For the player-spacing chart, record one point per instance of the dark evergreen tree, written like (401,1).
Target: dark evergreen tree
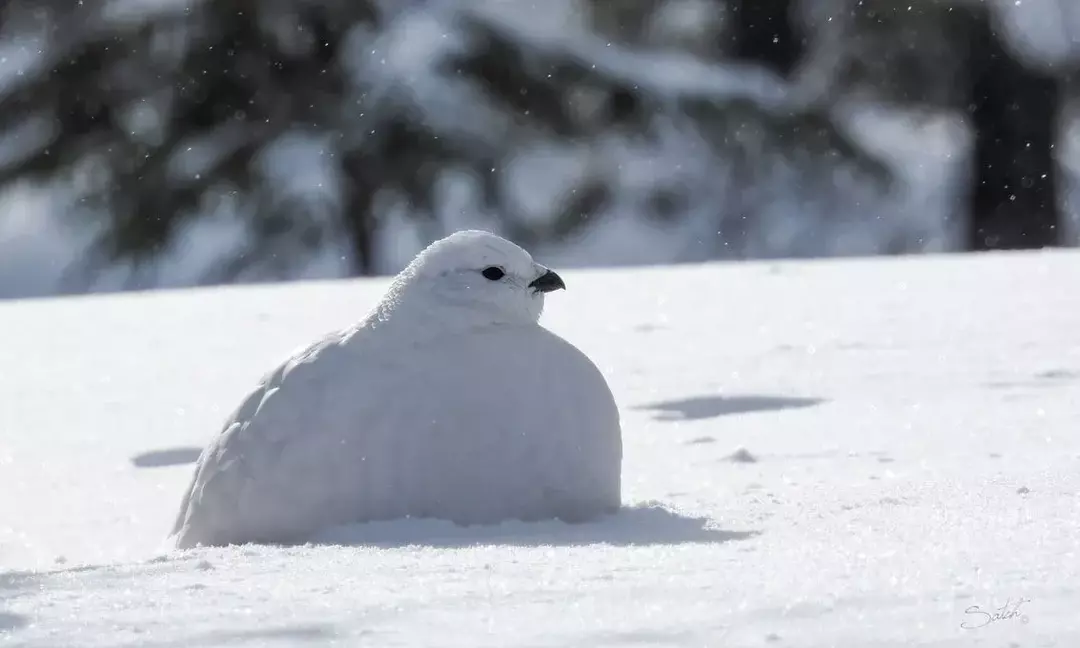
(767,32)
(1014,114)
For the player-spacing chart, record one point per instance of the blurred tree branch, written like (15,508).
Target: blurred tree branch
(542,81)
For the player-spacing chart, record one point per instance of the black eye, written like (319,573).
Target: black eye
(493,273)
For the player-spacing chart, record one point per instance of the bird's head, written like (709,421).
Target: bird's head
(476,274)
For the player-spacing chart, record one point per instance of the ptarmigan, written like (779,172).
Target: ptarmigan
(448,401)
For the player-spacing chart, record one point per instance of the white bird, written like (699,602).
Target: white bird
(448,401)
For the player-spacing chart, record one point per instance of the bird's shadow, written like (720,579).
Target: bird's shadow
(648,523)
(704,407)
(166,457)
(291,635)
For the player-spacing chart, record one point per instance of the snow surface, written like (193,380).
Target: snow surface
(818,453)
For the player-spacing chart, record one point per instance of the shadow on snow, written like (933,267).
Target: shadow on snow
(642,524)
(703,407)
(166,457)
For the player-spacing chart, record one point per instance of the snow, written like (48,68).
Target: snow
(912,422)
(448,401)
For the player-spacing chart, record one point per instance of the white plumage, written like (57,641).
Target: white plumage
(448,401)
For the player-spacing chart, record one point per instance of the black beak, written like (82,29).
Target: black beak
(547,282)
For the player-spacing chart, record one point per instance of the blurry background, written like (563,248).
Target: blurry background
(154,143)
